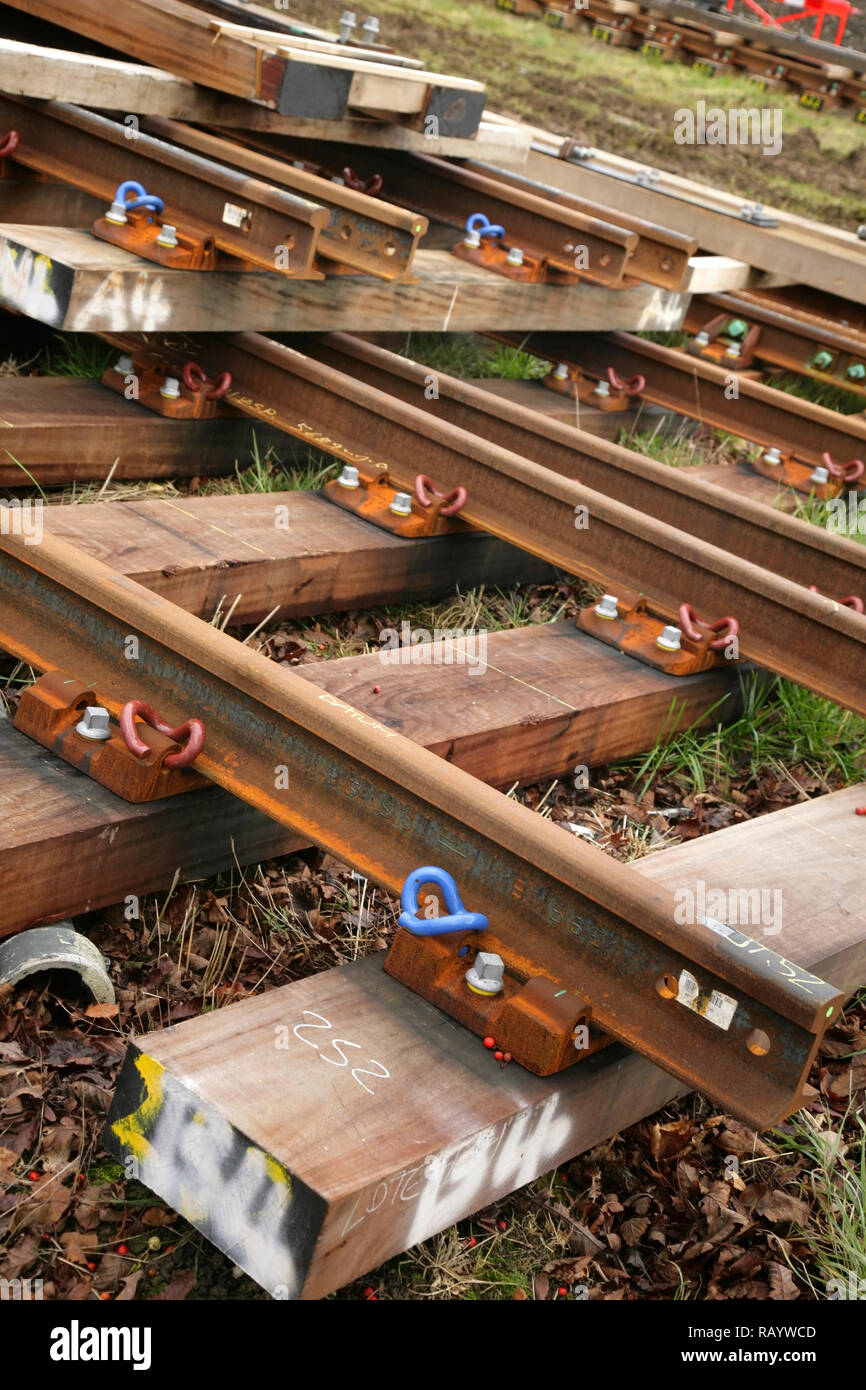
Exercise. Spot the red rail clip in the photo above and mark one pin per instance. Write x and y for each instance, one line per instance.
(454, 501)
(371, 186)
(850, 472)
(633, 387)
(195, 377)
(9, 143)
(726, 627)
(192, 730)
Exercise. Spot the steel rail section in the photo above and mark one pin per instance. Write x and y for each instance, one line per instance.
(242, 216)
(372, 798)
(831, 260)
(788, 546)
(366, 233)
(449, 193)
(814, 640)
(697, 388)
(789, 340)
(661, 256)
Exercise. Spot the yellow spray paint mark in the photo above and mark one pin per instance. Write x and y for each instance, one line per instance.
(277, 1173)
(131, 1129)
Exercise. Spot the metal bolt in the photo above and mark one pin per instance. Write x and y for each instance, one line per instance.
(856, 372)
(702, 339)
(117, 214)
(486, 975)
(822, 360)
(819, 475)
(669, 638)
(732, 350)
(560, 371)
(124, 365)
(167, 236)
(371, 29)
(515, 256)
(602, 388)
(772, 456)
(94, 724)
(347, 24)
(349, 476)
(402, 504)
(737, 328)
(607, 607)
(472, 240)
(170, 388)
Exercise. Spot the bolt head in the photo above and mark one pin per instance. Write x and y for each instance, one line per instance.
(772, 456)
(607, 607)
(487, 974)
(349, 476)
(167, 235)
(472, 240)
(669, 638)
(117, 214)
(95, 724)
(819, 475)
(602, 389)
(402, 504)
(515, 256)
(702, 339)
(170, 388)
(124, 365)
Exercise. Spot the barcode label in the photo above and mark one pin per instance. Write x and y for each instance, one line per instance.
(715, 1007)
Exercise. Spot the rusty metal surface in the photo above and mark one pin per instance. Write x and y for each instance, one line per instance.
(365, 233)
(696, 388)
(636, 632)
(789, 547)
(787, 339)
(372, 798)
(242, 216)
(813, 640)
(530, 1019)
(661, 256)
(549, 231)
(49, 711)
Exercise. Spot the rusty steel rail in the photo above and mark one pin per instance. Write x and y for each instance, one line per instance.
(812, 639)
(661, 256)
(693, 387)
(449, 193)
(241, 216)
(787, 339)
(365, 233)
(374, 799)
(830, 259)
(773, 540)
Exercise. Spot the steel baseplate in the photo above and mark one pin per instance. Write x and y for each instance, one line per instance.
(625, 623)
(789, 472)
(157, 390)
(375, 498)
(540, 1025)
(52, 711)
(570, 381)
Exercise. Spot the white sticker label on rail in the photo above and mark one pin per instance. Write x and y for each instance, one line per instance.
(234, 216)
(714, 1006)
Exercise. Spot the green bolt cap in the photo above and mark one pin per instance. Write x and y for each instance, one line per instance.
(822, 360)
(737, 328)
(857, 371)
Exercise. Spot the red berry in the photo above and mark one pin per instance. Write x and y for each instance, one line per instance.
(506, 1057)
(33, 1176)
(860, 811)
(105, 1295)
(489, 1042)
(376, 689)
(151, 1272)
(90, 1264)
(498, 1056)
(503, 1225)
(122, 1250)
(471, 1241)
(562, 1291)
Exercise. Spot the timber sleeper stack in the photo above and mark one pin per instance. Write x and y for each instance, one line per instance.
(276, 179)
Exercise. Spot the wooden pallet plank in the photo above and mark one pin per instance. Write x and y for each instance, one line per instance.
(70, 280)
(287, 550)
(408, 1125)
(54, 74)
(71, 429)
